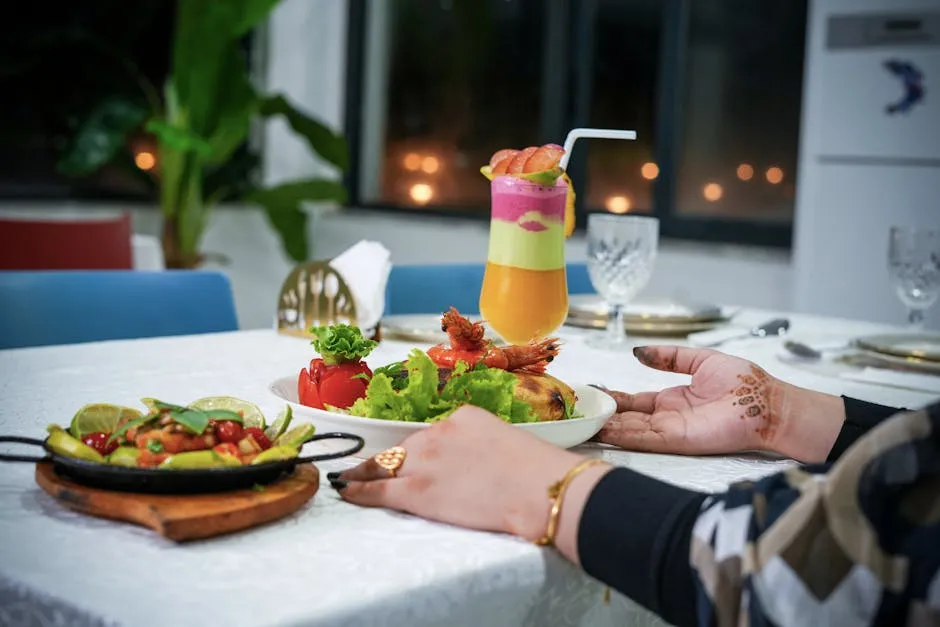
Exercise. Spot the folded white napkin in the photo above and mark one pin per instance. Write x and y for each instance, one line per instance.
(365, 267)
(906, 380)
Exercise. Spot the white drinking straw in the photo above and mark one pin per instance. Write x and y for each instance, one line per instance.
(591, 133)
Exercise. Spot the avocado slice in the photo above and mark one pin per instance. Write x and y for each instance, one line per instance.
(64, 444)
(124, 456)
(199, 459)
(276, 454)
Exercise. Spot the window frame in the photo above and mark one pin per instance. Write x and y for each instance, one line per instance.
(571, 54)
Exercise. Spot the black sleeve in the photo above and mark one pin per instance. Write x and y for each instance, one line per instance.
(635, 520)
(860, 418)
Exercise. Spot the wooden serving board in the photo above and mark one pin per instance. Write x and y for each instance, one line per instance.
(187, 517)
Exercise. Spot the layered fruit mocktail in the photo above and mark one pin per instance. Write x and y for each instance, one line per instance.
(525, 291)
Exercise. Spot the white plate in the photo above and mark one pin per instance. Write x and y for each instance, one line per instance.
(425, 328)
(915, 346)
(644, 310)
(596, 407)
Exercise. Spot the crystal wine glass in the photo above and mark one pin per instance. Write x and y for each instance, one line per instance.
(621, 254)
(914, 264)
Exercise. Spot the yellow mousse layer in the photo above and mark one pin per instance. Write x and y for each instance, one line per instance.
(511, 245)
(522, 305)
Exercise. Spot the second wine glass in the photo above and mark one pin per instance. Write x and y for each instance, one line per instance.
(914, 265)
(621, 255)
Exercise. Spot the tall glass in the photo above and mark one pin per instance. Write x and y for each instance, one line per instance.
(525, 289)
(621, 254)
(914, 264)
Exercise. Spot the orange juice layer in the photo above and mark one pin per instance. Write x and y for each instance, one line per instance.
(522, 305)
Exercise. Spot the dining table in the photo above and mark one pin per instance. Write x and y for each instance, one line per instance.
(331, 563)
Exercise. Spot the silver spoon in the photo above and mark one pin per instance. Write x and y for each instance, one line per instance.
(771, 328)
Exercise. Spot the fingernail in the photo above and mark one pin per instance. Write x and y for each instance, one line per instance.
(338, 484)
(333, 476)
(599, 386)
(638, 351)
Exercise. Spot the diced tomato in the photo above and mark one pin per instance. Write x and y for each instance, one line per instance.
(176, 442)
(259, 437)
(228, 431)
(99, 442)
(148, 459)
(227, 448)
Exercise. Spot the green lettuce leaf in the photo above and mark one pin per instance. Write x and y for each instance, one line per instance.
(341, 343)
(418, 399)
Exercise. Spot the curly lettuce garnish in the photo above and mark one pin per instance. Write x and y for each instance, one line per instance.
(341, 344)
(417, 399)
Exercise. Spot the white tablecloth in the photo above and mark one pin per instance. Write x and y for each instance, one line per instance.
(325, 565)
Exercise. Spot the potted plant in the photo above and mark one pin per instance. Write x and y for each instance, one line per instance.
(201, 122)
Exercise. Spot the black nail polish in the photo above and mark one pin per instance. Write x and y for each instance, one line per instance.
(333, 476)
(338, 484)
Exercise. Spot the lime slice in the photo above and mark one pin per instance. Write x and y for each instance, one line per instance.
(124, 456)
(276, 454)
(296, 437)
(250, 413)
(100, 417)
(64, 444)
(280, 424)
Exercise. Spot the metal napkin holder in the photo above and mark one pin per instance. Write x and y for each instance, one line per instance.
(314, 293)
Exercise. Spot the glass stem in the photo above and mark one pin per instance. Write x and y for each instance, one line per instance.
(615, 324)
(915, 318)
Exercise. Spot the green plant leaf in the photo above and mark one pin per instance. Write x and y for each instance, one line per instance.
(232, 178)
(204, 30)
(237, 105)
(252, 13)
(206, 57)
(322, 141)
(290, 222)
(295, 192)
(178, 138)
(282, 205)
(102, 134)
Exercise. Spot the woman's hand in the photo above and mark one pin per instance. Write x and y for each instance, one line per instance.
(476, 471)
(730, 405)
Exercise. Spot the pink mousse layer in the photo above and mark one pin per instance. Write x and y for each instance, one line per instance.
(513, 197)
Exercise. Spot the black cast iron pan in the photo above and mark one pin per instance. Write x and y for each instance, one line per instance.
(166, 481)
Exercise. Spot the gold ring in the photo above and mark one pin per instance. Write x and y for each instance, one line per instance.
(391, 459)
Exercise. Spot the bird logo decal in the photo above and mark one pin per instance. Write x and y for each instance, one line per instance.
(913, 82)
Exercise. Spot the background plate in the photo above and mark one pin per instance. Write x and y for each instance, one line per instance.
(644, 310)
(659, 328)
(920, 346)
(424, 328)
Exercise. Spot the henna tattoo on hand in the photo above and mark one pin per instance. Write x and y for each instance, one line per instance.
(753, 396)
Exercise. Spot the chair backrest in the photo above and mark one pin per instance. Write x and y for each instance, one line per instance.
(66, 245)
(68, 307)
(434, 288)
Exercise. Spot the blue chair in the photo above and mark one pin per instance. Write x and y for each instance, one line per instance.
(435, 288)
(69, 307)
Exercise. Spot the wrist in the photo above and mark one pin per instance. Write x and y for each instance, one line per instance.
(809, 421)
(576, 498)
(529, 513)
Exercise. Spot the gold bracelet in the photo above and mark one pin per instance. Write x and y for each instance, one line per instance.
(556, 494)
